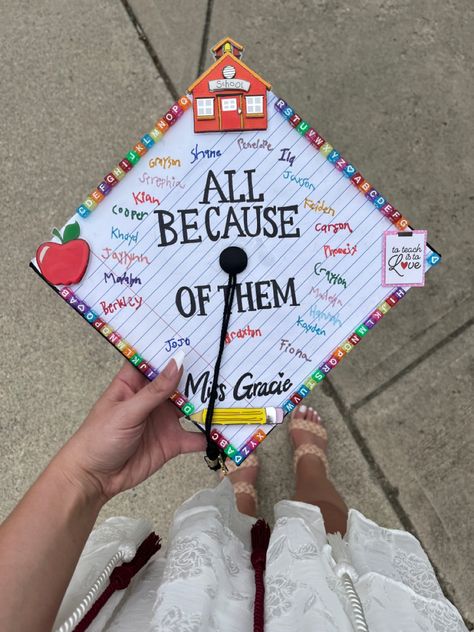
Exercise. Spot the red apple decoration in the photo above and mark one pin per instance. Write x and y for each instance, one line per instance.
(64, 263)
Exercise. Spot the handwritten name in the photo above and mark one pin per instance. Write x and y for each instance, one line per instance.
(164, 161)
(319, 207)
(122, 279)
(333, 252)
(123, 257)
(133, 302)
(116, 233)
(332, 228)
(199, 154)
(332, 277)
(258, 144)
(317, 314)
(245, 387)
(132, 214)
(332, 299)
(168, 182)
(287, 156)
(143, 197)
(302, 182)
(173, 343)
(246, 332)
(310, 329)
(285, 345)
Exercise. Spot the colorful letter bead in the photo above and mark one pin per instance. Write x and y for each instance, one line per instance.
(91, 316)
(333, 156)
(387, 209)
(395, 216)
(111, 179)
(148, 141)
(296, 398)
(90, 204)
(104, 188)
(156, 134)
(223, 443)
(114, 338)
(295, 120)
(136, 359)
(259, 436)
(188, 408)
(184, 102)
(140, 149)
(125, 164)
(82, 211)
(341, 163)
(365, 186)
(177, 110)
(118, 173)
(133, 157)
(310, 383)
(144, 368)
(288, 406)
(376, 316)
(325, 368)
(349, 171)
(303, 128)
(357, 179)
(346, 346)
(281, 105)
(318, 376)
(162, 125)
(303, 390)
(106, 330)
(339, 353)
(66, 292)
(361, 330)
(230, 450)
(383, 307)
(433, 258)
(326, 149)
(354, 339)
(98, 323)
(288, 112)
(402, 223)
(97, 196)
(170, 118)
(380, 201)
(372, 194)
(369, 323)
(332, 362)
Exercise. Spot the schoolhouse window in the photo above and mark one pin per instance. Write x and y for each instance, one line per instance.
(205, 107)
(254, 104)
(229, 105)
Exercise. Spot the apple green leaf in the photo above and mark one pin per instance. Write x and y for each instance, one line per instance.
(72, 231)
(55, 232)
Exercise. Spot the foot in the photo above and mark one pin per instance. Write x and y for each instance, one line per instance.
(309, 439)
(244, 479)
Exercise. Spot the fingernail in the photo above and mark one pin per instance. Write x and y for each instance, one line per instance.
(179, 358)
(302, 409)
(174, 364)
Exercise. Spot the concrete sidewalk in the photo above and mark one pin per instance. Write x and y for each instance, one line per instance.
(388, 83)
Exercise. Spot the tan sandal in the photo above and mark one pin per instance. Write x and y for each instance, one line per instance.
(243, 487)
(298, 423)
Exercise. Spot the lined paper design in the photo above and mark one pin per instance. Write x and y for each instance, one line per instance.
(132, 282)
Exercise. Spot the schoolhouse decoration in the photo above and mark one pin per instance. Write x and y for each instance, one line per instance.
(229, 96)
(256, 247)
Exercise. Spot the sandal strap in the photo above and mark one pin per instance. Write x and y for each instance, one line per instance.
(250, 461)
(310, 448)
(297, 423)
(241, 487)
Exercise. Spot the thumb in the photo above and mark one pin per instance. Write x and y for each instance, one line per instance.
(158, 391)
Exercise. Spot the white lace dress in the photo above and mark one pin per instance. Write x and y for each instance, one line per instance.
(205, 581)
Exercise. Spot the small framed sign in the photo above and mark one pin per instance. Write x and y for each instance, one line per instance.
(404, 258)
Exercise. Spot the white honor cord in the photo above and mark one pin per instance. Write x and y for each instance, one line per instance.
(356, 605)
(94, 593)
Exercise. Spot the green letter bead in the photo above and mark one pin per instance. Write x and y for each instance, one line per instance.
(132, 157)
(188, 408)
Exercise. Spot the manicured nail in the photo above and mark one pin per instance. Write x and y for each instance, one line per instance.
(179, 358)
(302, 409)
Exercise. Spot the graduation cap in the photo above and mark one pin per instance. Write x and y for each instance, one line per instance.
(234, 231)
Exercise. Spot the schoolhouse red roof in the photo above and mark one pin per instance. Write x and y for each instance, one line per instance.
(221, 60)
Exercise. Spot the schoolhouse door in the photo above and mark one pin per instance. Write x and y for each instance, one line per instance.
(230, 111)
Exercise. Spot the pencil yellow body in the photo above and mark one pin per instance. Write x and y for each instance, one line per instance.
(228, 416)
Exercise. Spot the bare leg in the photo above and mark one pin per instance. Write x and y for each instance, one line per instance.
(246, 473)
(312, 484)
